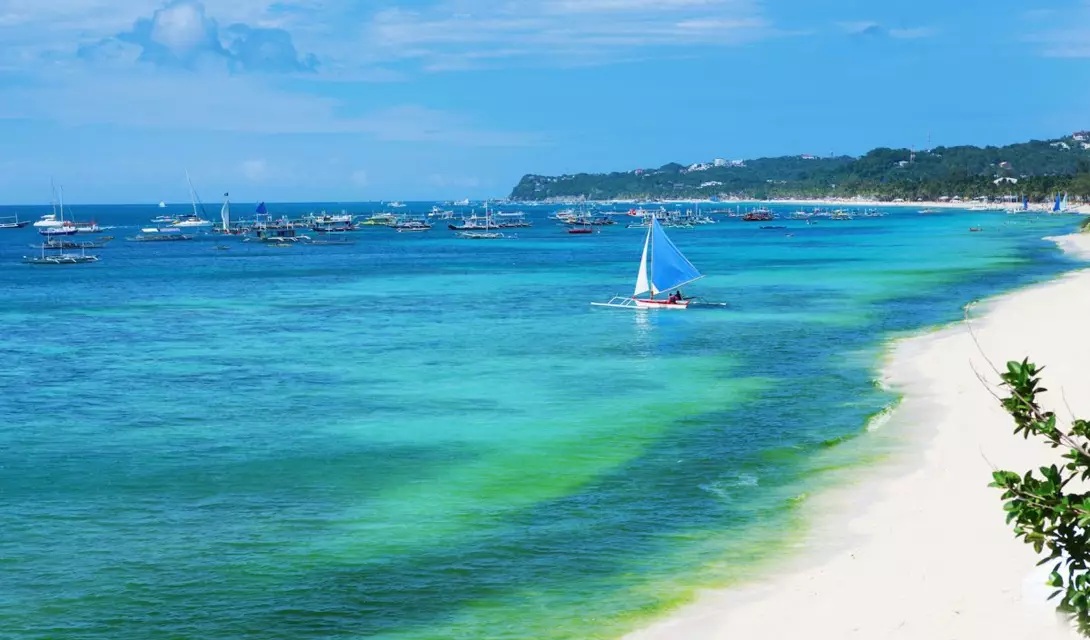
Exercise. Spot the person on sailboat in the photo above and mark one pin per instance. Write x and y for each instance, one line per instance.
(679, 296)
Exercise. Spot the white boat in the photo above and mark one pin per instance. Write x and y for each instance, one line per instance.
(162, 204)
(13, 222)
(49, 221)
(194, 221)
(662, 268)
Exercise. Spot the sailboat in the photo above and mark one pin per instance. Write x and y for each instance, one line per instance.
(195, 220)
(225, 213)
(662, 268)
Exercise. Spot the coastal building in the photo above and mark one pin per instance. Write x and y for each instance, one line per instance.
(1081, 136)
(807, 156)
(1002, 179)
(719, 162)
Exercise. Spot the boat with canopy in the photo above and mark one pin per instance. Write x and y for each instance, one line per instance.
(662, 268)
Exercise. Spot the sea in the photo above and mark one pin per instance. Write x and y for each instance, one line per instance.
(420, 436)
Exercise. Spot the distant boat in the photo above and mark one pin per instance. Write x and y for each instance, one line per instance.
(195, 220)
(662, 268)
(225, 214)
(13, 223)
(162, 205)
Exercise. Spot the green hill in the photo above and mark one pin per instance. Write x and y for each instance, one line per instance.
(1038, 169)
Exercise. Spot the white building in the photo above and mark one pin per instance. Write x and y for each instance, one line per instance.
(719, 162)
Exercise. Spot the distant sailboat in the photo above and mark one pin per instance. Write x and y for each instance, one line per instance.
(1056, 205)
(662, 268)
(225, 213)
(162, 205)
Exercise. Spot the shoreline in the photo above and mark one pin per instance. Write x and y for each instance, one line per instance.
(916, 546)
(970, 205)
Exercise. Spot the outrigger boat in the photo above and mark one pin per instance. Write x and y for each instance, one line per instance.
(662, 268)
(60, 258)
(13, 223)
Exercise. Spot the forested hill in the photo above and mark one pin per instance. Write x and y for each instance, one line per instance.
(1037, 169)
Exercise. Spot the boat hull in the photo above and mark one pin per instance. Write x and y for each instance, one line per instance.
(621, 302)
(661, 304)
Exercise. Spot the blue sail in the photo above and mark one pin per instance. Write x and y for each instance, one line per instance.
(1056, 207)
(261, 208)
(1025, 203)
(669, 269)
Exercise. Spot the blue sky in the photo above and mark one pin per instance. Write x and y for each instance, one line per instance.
(338, 100)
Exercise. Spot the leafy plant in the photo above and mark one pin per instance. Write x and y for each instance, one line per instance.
(1046, 512)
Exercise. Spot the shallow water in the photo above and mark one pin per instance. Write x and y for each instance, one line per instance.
(419, 437)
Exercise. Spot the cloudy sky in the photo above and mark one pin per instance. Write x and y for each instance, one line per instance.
(338, 100)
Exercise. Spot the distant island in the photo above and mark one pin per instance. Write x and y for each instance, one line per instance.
(1038, 169)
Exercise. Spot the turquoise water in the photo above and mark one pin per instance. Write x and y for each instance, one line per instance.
(423, 437)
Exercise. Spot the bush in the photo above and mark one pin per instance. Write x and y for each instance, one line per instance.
(1045, 512)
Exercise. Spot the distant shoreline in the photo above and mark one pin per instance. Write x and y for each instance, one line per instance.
(826, 202)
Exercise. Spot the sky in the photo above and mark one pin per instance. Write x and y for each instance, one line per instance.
(335, 100)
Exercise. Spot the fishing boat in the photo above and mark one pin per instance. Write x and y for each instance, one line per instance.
(60, 258)
(411, 226)
(760, 215)
(157, 234)
(13, 222)
(662, 268)
(481, 235)
(72, 244)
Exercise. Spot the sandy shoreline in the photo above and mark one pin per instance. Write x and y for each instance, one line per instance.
(919, 548)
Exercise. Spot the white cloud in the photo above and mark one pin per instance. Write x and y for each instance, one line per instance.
(875, 29)
(218, 102)
(1068, 41)
(255, 170)
(461, 34)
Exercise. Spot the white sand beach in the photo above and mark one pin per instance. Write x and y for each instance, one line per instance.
(918, 549)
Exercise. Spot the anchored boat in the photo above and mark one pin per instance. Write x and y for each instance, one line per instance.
(662, 268)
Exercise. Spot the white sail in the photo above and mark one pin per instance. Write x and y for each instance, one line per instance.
(225, 214)
(642, 283)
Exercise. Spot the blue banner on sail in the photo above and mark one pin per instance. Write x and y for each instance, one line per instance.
(261, 208)
(669, 269)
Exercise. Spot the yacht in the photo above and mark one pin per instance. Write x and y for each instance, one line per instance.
(191, 222)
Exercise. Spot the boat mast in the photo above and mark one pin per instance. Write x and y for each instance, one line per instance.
(192, 193)
(651, 257)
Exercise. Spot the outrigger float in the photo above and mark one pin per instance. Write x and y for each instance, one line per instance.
(662, 268)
